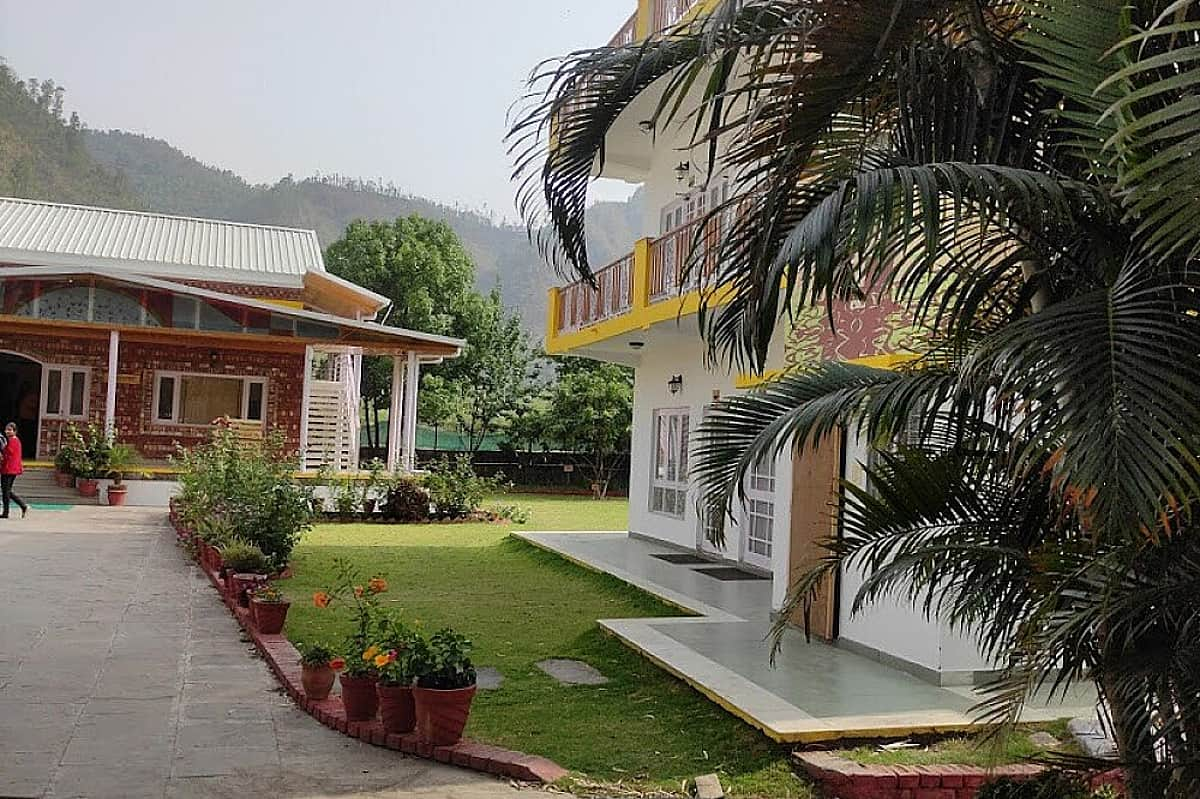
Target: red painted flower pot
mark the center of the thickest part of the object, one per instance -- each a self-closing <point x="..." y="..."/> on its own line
<point x="269" y="616"/>
<point x="397" y="710"/>
<point x="63" y="479"/>
<point x="317" y="681"/>
<point x="241" y="584"/>
<point x="359" y="697"/>
<point x="88" y="487"/>
<point x="117" y="494"/>
<point x="442" y="715"/>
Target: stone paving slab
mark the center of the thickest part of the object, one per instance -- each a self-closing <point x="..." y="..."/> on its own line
<point x="134" y="682"/>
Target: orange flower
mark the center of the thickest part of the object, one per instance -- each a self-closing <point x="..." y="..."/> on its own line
<point x="337" y="664"/>
<point x="377" y="585"/>
<point x="321" y="599"/>
<point x="382" y="660"/>
<point x="358" y="590"/>
<point x="372" y="650"/>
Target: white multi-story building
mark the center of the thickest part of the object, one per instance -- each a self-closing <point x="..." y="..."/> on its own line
<point x="641" y="316"/>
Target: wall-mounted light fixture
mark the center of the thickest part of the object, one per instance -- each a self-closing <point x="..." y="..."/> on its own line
<point x="675" y="384"/>
<point x="636" y="345"/>
<point x="682" y="170"/>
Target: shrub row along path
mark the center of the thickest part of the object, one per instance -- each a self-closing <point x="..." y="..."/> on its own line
<point x="123" y="675"/>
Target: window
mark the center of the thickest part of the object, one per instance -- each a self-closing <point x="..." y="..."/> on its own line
<point x="64" y="392"/>
<point x="199" y="399"/>
<point x="668" y="480"/>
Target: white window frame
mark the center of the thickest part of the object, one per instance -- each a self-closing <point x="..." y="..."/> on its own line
<point x="64" y="391"/>
<point x="758" y="514"/>
<point x="680" y="484"/>
<point x="247" y="381"/>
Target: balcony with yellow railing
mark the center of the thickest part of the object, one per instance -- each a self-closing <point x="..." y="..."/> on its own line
<point x="654" y="283"/>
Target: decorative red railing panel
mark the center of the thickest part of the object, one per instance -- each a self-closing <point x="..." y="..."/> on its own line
<point x="581" y="305"/>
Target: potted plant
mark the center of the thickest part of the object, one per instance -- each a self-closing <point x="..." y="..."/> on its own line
<point x="245" y="567"/>
<point x="268" y="608"/>
<point x="359" y="698"/>
<point x="318" y="666"/>
<point x="358" y="677"/>
<point x="66" y="462"/>
<point x="400" y="650"/>
<point x="445" y="688"/>
<point x="213" y="533"/>
<point x="120" y="458"/>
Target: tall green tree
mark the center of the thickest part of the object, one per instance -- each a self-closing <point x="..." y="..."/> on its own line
<point x="1023" y="178"/>
<point x="589" y="413"/>
<point x="495" y="371"/>
<point x="423" y="268"/>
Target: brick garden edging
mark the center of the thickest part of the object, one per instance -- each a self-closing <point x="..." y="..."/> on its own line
<point x="284" y="660"/>
<point x="843" y="779"/>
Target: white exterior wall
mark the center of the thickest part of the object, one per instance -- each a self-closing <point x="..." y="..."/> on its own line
<point x="894" y="627"/>
<point x="662" y="357"/>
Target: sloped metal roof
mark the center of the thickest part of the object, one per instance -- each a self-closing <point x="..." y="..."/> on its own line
<point x="56" y="234"/>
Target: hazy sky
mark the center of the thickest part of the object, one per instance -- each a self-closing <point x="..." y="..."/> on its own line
<point x="412" y="92"/>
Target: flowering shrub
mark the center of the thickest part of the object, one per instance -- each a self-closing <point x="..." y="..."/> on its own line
<point x="364" y="600"/>
<point x="248" y="486"/>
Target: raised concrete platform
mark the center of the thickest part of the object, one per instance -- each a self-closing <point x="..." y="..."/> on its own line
<point x="814" y="692"/>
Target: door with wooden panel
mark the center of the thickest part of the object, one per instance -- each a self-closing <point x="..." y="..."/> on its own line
<point x="815" y="476"/>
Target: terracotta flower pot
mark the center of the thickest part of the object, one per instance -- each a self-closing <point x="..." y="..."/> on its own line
<point x="117" y="494"/>
<point x="242" y="584"/>
<point x="442" y="715"/>
<point x="269" y="616"/>
<point x="88" y="487"/>
<point x="359" y="697"/>
<point x="396" y="707"/>
<point x="317" y="681"/>
<point x="63" y="479"/>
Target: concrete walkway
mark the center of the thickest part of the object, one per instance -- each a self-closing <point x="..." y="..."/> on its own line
<point x="123" y="676"/>
<point x="814" y="692"/>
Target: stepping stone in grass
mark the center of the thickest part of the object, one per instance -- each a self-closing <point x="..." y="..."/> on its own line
<point x="571" y="672"/>
<point x="488" y="678"/>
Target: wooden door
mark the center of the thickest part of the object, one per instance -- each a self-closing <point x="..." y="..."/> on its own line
<point x="815" y="475"/>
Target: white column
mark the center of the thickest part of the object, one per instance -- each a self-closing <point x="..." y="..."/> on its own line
<point x="395" y="413"/>
<point x="356" y="363"/>
<point x="304" y="406"/>
<point x="110" y="395"/>
<point x="412" y="379"/>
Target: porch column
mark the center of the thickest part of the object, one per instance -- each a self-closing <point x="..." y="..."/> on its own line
<point x="110" y="395"/>
<point x="412" y="375"/>
<point x="394" y="414"/>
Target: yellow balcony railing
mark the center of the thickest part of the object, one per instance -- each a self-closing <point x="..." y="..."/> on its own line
<point x="651" y="284"/>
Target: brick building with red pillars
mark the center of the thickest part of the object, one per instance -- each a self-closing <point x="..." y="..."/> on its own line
<point x="153" y="326"/>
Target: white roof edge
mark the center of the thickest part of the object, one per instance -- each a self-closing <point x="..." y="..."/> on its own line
<point x="169" y="285"/>
<point x="155" y="214"/>
<point x="35" y="258"/>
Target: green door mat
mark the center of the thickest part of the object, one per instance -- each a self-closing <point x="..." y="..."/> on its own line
<point x="49" y="506"/>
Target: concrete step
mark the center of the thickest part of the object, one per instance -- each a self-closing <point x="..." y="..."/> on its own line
<point x="37" y="485"/>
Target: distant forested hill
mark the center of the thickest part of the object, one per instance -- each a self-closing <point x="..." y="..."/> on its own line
<point x="44" y="156"/>
<point x="169" y="180"/>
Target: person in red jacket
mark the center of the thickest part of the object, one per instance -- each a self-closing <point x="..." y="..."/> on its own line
<point x="10" y="467"/>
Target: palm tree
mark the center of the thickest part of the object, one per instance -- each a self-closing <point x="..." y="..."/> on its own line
<point x="1024" y="177"/>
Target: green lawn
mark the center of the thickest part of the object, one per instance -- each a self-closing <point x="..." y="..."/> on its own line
<point x="520" y="605"/>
